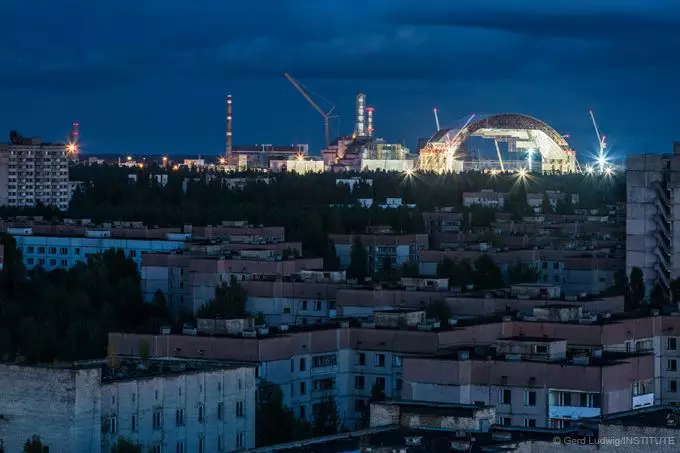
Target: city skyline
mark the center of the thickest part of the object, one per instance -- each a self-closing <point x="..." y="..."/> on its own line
<point x="160" y="86"/>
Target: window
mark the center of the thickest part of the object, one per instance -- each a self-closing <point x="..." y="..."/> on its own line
<point x="200" y="413"/>
<point x="360" y="358"/>
<point x="359" y="405"/>
<point x="583" y="400"/>
<point x="41" y="249"/>
<point x="399" y="385"/>
<point x="506" y="396"/>
<point x="322" y="361"/>
<point x="134" y="423"/>
<point x="304" y="305"/>
<point x="396" y="361"/>
<point x="380" y="360"/>
<point x="220" y="443"/>
<point x="179" y="417"/>
<point x="292" y="366"/>
<point x="180" y="447"/>
<point x="220" y="411"/>
<point x="201" y="445"/>
<point x="157" y="419"/>
<point x="672" y="365"/>
<point x="672" y="386"/>
<point x="113" y="425"/>
<point x="63" y="251"/>
<point x="239" y="408"/>
<point x="30" y="249"/>
<point x="303" y="412"/>
<point x="64" y="263"/>
<point x="323" y="384"/>
<point x="380" y="383"/>
<point x="506" y="421"/>
<point x="566" y="399"/>
<point x="530" y="422"/>
<point x="155" y="394"/>
<point x="317" y="305"/>
<point x="219" y="387"/>
<point x="359" y="382"/>
<point x="240" y="439"/>
<point x="52" y="251"/>
<point x="672" y="343"/>
<point x="303" y="388"/>
<point x="53" y="262"/>
<point x="529" y="398"/>
<point x="156" y="449"/>
<point x="179" y="391"/>
<point x="303" y="364"/>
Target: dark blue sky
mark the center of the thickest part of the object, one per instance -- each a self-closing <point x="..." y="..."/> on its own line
<point x="150" y="76"/>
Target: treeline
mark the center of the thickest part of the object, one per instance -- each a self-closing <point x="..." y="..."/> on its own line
<point x="302" y="204"/>
<point x="67" y="314"/>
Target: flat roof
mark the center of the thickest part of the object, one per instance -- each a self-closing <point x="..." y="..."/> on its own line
<point x="532" y="339"/>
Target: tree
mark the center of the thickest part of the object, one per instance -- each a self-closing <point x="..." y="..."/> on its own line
<point x="326" y="420"/>
<point x="229" y="301"/>
<point x="358" y="264"/>
<point x="331" y="262"/>
<point x="522" y="273"/>
<point x="635" y="294"/>
<point x="459" y="274"/>
<point x="675" y="290"/>
<point x="33" y="445"/>
<point x="657" y="297"/>
<point x="125" y="446"/>
<point x="564" y="206"/>
<point x="487" y="275"/>
<point x="387" y="272"/>
<point x="410" y="270"/>
<point x="274" y="422"/>
<point x="438" y="310"/>
<point x="545" y="206"/>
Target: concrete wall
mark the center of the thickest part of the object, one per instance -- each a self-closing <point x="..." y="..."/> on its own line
<point x="140" y="398"/>
<point x="62" y="406"/>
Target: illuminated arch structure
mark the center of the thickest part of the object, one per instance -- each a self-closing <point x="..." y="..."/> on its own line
<point x="444" y="152"/>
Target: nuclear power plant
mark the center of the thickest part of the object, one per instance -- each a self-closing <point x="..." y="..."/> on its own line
<point x="362" y="151"/>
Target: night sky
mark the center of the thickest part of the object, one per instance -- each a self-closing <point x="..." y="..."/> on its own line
<point x="151" y="76"/>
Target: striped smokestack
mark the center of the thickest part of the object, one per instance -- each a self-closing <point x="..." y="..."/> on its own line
<point x="229" y="145"/>
<point x="369" y="121"/>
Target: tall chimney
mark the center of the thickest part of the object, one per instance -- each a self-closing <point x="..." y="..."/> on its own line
<point x="361" y="104"/>
<point x="74" y="133"/>
<point x="369" y="121"/>
<point x="229" y="129"/>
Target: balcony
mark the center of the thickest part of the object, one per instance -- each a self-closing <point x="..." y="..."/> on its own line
<point x="573" y="412"/>
<point x="643" y="400"/>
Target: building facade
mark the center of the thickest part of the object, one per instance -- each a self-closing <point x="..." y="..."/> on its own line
<point x="32" y="172"/>
<point x="163" y="405"/>
<point x="653" y="203"/>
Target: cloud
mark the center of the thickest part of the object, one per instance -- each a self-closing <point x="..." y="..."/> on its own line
<point x="74" y="42"/>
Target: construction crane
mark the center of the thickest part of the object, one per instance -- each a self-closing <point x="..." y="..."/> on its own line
<point x="326" y="115"/>
<point x="602" y="144"/>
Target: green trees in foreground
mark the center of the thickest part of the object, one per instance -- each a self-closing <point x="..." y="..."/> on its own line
<point x="67" y="314"/>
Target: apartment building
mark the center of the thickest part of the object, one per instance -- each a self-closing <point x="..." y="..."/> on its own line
<point x="188" y="280"/>
<point x="64" y="251"/>
<point x="652" y="183"/>
<point x="486" y="198"/>
<point x="532" y="381"/>
<point x="577" y="271"/>
<point x="358" y="356"/>
<point x="164" y="405"/>
<point x="32" y="171"/>
<point x="398" y="249"/>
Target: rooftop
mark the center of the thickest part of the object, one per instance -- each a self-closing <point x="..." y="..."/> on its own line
<point x="489" y="352"/>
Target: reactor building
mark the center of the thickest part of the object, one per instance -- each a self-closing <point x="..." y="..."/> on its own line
<point x="362" y="151"/>
<point x="531" y="139"/>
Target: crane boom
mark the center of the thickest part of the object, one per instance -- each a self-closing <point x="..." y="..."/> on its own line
<point x="436" y="119"/>
<point x="597" y="130"/>
<point x="325" y="115"/>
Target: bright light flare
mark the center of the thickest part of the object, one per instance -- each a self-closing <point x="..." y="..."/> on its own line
<point x="71" y="148"/>
<point x="129" y="158"/>
<point x="589" y="170"/>
<point x="408" y="172"/>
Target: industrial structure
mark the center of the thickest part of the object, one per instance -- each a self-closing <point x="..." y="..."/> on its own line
<point x="33" y="171"/>
<point x="446" y="149"/>
<point x="260" y="156"/>
<point x="362" y="150"/>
